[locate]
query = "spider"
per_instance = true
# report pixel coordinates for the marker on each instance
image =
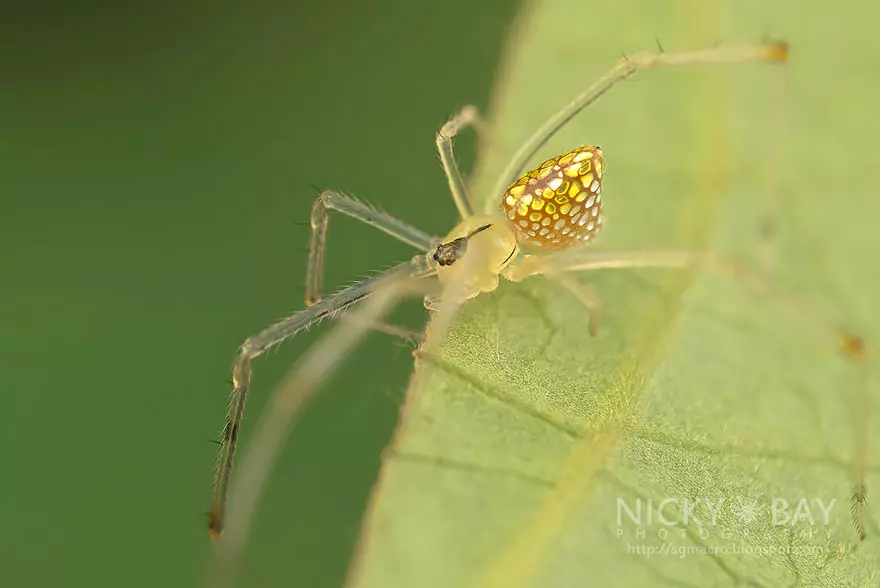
(553, 210)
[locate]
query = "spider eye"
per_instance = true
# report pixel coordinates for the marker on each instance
(449, 253)
(559, 203)
(445, 254)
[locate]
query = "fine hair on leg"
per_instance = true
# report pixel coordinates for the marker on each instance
(330, 200)
(418, 267)
(297, 388)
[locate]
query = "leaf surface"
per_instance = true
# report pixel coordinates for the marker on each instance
(531, 453)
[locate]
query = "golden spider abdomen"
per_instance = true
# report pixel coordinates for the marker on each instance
(559, 203)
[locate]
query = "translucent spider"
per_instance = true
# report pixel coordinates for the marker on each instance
(552, 210)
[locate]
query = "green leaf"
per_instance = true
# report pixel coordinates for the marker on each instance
(522, 435)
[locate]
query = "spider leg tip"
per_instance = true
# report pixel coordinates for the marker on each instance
(852, 345)
(215, 528)
(777, 51)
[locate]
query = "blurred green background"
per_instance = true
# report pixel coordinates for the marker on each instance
(156, 165)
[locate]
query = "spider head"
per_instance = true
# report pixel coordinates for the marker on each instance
(473, 255)
(448, 253)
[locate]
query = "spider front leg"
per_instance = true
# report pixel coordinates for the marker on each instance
(850, 345)
(586, 295)
(303, 381)
(419, 267)
(774, 52)
(330, 200)
(466, 117)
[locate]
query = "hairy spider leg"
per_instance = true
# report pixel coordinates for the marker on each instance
(254, 346)
(330, 200)
(309, 373)
(319, 307)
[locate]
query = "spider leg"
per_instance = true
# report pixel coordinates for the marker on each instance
(310, 372)
(850, 345)
(417, 268)
(330, 200)
(466, 117)
(406, 335)
(585, 294)
(623, 69)
(297, 388)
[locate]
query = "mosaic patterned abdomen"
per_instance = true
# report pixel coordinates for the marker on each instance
(559, 203)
